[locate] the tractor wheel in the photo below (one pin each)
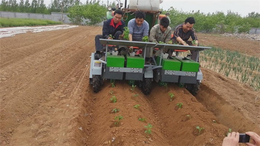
(97, 83)
(193, 88)
(147, 86)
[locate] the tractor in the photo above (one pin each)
(133, 67)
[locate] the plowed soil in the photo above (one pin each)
(46, 99)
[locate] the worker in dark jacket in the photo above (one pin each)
(182, 34)
(112, 29)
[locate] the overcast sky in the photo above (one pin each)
(242, 7)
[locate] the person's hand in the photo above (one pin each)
(185, 44)
(196, 43)
(255, 139)
(231, 140)
(121, 37)
(110, 38)
(131, 48)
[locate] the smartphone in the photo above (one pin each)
(243, 138)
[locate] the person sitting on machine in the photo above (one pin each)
(160, 33)
(138, 28)
(112, 29)
(183, 32)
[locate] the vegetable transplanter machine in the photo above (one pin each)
(116, 65)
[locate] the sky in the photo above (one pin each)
(242, 7)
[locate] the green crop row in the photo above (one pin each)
(13, 22)
(233, 64)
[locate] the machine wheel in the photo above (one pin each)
(147, 86)
(97, 83)
(193, 88)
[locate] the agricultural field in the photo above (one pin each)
(46, 99)
(234, 65)
(238, 61)
(12, 22)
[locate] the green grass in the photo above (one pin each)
(13, 22)
(233, 64)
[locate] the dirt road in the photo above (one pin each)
(46, 99)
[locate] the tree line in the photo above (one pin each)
(37, 6)
(217, 22)
(94, 12)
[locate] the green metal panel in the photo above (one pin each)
(189, 65)
(115, 61)
(135, 62)
(170, 64)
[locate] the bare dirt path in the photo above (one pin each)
(46, 99)
(241, 45)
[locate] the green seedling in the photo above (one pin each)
(111, 92)
(113, 99)
(165, 85)
(136, 95)
(112, 83)
(111, 36)
(162, 84)
(179, 105)
(229, 131)
(160, 42)
(193, 42)
(118, 119)
(133, 87)
(171, 96)
(149, 129)
(145, 39)
(169, 42)
(141, 119)
(137, 106)
(126, 33)
(199, 128)
(115, 110)
(131, 82)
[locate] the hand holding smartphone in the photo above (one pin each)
(243, 138)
